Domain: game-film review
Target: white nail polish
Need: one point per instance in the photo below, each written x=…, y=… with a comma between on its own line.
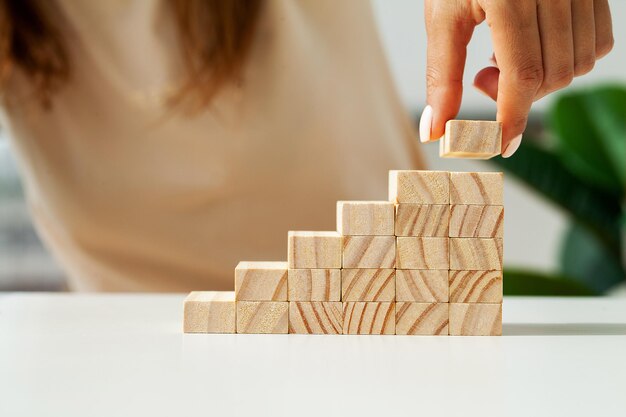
x=512, y=146
x=426, y=121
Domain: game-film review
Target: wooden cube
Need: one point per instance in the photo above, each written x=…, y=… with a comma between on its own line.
x=475, y=139
x=369, y=317
x=476, y=221
x=261, y=281
x=422, y=286
x=368, y=284
x=209, y=312
x=422, y=318
x=315, y=317
x=422, y=187
x=475, y=286
x=475, y=319
x=365, y=218
x=262, y=317
x=484, y=188
x=422, y=220
x=314, y=284
x=422, y=253
x=375, y=252
x=314, y=250
x=475, y=254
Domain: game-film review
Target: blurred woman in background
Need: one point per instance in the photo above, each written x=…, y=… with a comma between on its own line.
x=162, y=141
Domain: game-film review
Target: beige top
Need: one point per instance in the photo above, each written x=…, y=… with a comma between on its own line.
x=131, y=196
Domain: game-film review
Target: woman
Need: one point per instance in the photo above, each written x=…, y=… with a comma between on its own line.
x=162, y=141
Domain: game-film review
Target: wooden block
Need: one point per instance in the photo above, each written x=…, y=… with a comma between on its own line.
x=369, y=252
x=314, y=285
x=315, y=317
x=365, y=218
x=369, y=317
x=368, y=284
x=475, y=254
x=422, y=253
x=422, y=319
x=475, y=319
x=485, y=188
x=209, y=312
x=476, y=221
x=422, y=187
x=423, y=220
x=261, y=281
x=475, y=139
x=314, y=250
x=421, y=286
x=475, y=286
x=262, y=317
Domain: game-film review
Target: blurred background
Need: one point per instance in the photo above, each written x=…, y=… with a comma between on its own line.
x=564, y=193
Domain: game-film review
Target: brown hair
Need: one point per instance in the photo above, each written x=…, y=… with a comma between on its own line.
x=215, y=36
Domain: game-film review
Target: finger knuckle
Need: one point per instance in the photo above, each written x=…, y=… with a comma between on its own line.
x=529, y=75
x=584, y=64
x=605, y=46
x=560, y=77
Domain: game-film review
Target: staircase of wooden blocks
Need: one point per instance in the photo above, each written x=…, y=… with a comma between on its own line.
x=426, y=262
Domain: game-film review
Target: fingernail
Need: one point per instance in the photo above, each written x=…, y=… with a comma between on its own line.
x=512, y=146
x=426, y=121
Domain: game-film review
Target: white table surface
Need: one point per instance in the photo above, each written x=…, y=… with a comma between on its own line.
x=125, y=355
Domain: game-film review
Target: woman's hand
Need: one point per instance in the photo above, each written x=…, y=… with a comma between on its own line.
x=540, y=46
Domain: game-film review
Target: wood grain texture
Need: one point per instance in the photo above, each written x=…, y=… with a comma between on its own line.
x=476, y=221
x=315, y=317
x=475, y=254
x=263, y=317
x=422, y=253
x=474, y=139
x=475, y=286
x=421, y=286
x=422, y=187
x=475, y=319
x=422, y=220
x=314, y=285
x=368, y=284
x=365, y=218
x=369, y=252
x=484, y=188
x=209, y=312
x=422, y=319
x=369, y=317
x=261, y=281
x=314, y=250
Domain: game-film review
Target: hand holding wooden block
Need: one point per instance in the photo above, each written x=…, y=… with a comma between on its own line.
x=314, y=285
x=261, y=281
x=422, y=253
x=423, y=220
x=372, y=252
x=484, y=188
x=365, y=218
x=474, y=139
x=421, y=187
x=422, y=319
x=209, y=312
x=475, y=319
x=369, y=318
x=316, y=317
x=314, y=250
x=368, y=284
x=263, y=317
x=422, y=286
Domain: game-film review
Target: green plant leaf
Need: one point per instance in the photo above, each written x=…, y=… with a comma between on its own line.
x=590, y=130
x=584, y=259
x=543, y=171
x=524, y=282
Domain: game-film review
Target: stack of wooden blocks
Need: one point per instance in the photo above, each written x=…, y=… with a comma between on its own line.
x=426, y=262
